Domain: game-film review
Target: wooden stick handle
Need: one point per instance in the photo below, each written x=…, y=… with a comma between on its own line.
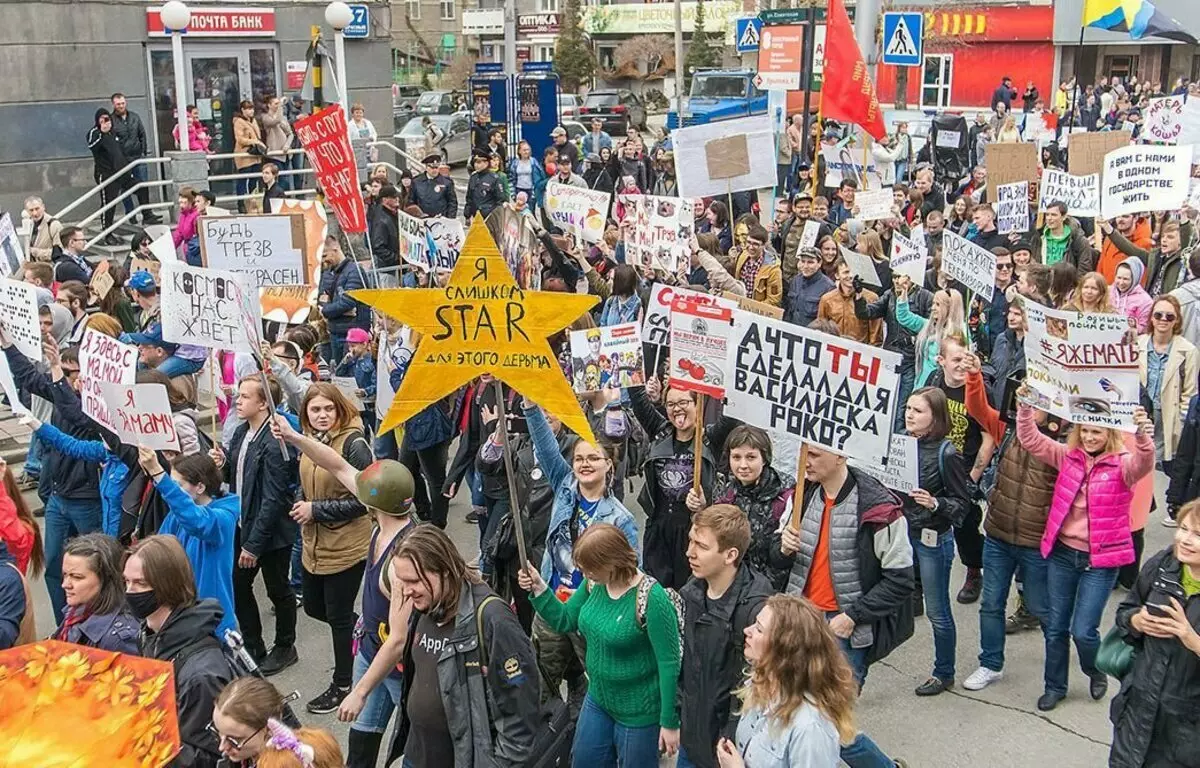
x=798, y=494
x=698, y=445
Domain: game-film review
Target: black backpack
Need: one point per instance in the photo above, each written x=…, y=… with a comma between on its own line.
x=240, y=665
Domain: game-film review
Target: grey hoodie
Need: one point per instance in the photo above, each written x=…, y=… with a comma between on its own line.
x=1189, y=301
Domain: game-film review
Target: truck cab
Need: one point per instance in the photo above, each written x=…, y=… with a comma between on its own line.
x=720, y=94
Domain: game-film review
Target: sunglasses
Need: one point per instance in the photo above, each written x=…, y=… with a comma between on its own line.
x=1167, y=316
x=233, y=742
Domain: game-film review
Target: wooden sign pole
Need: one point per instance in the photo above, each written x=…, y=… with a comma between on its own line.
x=698, y=444
x=798, y=494
x=214, y=358
x=513, y=502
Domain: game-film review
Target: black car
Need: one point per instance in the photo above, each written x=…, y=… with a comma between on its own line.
x=618, y=108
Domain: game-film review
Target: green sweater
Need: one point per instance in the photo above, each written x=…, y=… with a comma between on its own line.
x=632, y=672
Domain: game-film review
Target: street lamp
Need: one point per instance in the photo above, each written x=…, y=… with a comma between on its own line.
x=338, y=15
x=175, y=18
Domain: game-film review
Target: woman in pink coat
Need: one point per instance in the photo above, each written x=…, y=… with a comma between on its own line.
x=198, y=138
x=1127, y=294
x=1087, y=537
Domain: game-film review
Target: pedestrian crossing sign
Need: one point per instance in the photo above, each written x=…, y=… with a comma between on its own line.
x=749, y=32
x=903, y=39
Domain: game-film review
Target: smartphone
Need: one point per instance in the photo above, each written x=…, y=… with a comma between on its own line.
x=1157, y=610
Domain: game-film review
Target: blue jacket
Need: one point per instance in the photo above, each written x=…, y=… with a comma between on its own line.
x=539, y=178
x=342, y=312
x=427, y=428
x=12, y=599
x=566, y=494
x=114, y=475
x=207, y=535
x=363, y=371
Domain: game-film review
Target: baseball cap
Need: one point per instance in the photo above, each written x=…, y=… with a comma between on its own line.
x=559, y=131
x=142, y=282
x=152, y=337
x=387, y=486
x=357, y=336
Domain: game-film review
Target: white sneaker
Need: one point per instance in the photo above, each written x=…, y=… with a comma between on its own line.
x=981, y=678
x=1169, y=523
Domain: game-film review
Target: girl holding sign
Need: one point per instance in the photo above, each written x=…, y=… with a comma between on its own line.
x=945, y=319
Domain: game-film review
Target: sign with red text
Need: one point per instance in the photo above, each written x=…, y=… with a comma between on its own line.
x=1164, y=120
x=103, y=360
x=141, y=415
x=830, y=392
x=699, y=338
x=217, y=22
x=326, y=143
x=656, y=327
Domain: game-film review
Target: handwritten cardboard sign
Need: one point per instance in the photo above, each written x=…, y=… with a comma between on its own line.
x=103, y=360
x=265, y=250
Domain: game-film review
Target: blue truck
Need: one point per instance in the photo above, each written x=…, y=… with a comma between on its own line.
x=720, y=94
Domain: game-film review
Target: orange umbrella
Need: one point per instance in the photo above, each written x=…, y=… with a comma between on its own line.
x=69, y=706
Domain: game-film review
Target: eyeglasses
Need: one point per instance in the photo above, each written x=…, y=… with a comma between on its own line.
x=1166, y=316
x=754, y=243
x=1003, y=266
x=68, y=372
x=236, y=743
x=678, y=405
x=593, y=459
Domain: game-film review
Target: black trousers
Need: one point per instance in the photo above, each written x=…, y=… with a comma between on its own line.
x=329, y=598
x=1128, y=574
x=112, y=192
x=969, y=538
x=274, y=566
x=428, y=468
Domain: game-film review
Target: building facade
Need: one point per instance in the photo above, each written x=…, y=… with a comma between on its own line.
x=1110, y=54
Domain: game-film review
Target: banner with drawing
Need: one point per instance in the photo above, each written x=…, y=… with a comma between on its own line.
x=446, y=238
x=908, y=259
x=833, y=393
x=699, y=340
x=414, y=240
x=660, y=232
x=848, y=162
x=576, y=211
x=606, y=358
x=1082, y=367
x=206, y=308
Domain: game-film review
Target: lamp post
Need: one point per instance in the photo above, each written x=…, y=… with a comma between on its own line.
x=338, y=15
x=175, y=18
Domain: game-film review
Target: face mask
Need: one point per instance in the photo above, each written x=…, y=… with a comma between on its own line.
x=142, y=604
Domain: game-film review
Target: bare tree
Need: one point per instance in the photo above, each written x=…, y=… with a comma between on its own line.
x=644, y=57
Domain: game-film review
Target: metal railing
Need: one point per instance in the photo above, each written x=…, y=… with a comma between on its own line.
x=415, y=164
x=117, y=223
x=61, y=215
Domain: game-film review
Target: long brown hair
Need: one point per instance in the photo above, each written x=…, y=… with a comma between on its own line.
x=801, y=662
x=432, y=552
x=347, y=416
x=37, y=556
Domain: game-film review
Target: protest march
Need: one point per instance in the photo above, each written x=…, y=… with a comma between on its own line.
x=702, y=445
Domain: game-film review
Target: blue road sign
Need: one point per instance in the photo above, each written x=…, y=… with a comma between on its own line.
x=538, y=66
x=361, y=25
x=749, y=32
x=903, y=39
x=489, y=68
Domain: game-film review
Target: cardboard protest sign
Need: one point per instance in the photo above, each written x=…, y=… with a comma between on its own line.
x=727, y=157
x=19, y=311
x=1141, y=178
x=145, y=265
x=12, y=255
x=969, y=264
x=907, y=259
x=446, y=238
x=660, y=232
x=845, y=162
x=756, y=307
x=1189, y=123
x=481, y=321
x=901, y=473
x=875, y=204
x=9, y=387
x=808, y=238
x=695, y=144
x=204, y=307
x=1007, y=163
x=266, y=250
x=1012, y=207
x=656, y=326
x=163, y=248
x=607, y=357
x=1164, y=120
x=325, y=137
x=831, y=392
x=518, y=245
x=699, y=341
x=293, y=304
x=414, y=240
x=1089, y=149
x=141, y=415
x=102, y=280
x=1082, y=367
x=103, y=360
x=862, y=266
x=580, y=212
x=1080, y=193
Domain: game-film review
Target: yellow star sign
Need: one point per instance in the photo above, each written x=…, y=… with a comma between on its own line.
x=482, y=322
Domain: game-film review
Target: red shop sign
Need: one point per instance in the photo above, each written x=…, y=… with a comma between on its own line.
x=219, y=22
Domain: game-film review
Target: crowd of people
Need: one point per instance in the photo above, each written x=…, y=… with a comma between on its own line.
x=737, y=625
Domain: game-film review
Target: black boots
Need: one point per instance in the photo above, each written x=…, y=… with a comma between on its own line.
x=362, y=750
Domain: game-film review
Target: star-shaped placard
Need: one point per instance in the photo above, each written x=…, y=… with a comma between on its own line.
x=482, y=322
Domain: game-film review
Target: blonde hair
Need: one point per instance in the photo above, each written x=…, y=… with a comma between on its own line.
x=1103, y=305
x=1113, y=443
x=952, y=323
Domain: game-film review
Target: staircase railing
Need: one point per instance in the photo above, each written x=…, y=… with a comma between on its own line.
x=61, y=215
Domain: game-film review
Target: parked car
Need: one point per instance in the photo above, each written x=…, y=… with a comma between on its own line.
x=440, y=102
x=575, y=130
x=568, y=105
x=455, y=145
x=617, y=107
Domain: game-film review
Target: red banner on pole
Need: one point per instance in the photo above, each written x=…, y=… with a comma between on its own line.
x=848, y=93
x=326, y=142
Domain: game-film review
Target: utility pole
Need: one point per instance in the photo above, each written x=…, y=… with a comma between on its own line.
x=866, y=26
x=510, y=37
x=679, y=65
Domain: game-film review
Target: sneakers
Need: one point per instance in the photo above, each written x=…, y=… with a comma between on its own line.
x=1098, y=686
x=971, y=587
x=1021, y=620
x=278, y=660
x=1169, y=523
x=981, y=678
x=1048, y=701
x=473, y=516
x=328, y=701
x=26, y=482
x=933, y=686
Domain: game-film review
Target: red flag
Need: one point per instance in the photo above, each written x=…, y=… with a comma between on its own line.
x=847, y=92
x=326, y=142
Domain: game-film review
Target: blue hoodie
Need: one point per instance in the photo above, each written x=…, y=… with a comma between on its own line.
x=12, y=599
x=114, y=474
x=206, y=534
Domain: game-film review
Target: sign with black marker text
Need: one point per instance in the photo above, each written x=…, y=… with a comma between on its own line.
x=969, y=264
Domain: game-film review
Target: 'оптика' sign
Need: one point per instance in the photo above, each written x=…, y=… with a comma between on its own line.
x=218, y=22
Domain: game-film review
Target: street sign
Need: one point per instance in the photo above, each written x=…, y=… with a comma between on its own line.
x=784, y=15
x=360, y=26
x=903, y=39
x=489, y=67
x=779, y=58
x=538, y=66
x=749, y=30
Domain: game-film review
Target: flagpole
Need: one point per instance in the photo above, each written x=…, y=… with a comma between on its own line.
x=817, y=147
x=1072, y=101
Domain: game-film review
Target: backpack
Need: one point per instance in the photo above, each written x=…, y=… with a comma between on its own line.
x=240, y=665
x=643, y=600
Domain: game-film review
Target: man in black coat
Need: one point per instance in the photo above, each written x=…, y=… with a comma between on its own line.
x=340, y=276
x=108, y=158
x=131, y=133
x=485, y=193
x=433, y=193
x=384, y=229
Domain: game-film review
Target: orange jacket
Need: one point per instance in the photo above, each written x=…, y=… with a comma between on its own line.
x=1111, y=255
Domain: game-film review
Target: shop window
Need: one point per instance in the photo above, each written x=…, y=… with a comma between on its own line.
x=447, y=10
x=937, y=79
x=1123, y=67
x=544, y=53
x=606, y=56
x=1195, y=68
x=547, y=6
x=413, y=9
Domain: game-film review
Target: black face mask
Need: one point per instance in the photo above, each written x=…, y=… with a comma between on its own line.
x=142, y=604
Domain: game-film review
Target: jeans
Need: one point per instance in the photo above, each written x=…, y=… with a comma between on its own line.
x=682, y=760
x=296, y=567
x=935, y=563
x=330, y=598
x=33, y=457
x=386, y=697
x=601, y=742
x=908, y=379
x=65, y=519
x=863, y=752
x=274, y=567
x=177, y=366
x=474, y=481
x=428, y=468
x=244, y=186
x=489, y=522
x=1001, y=562
x=137, y=175
x=337, y=349
x=1077, y=594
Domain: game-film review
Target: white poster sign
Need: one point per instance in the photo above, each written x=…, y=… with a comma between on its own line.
x=12, y=255
x=103, y=360
x=862, y=266
x=9, y=386
x=948, y=139
x=1012, y=207
x=875, y=204
x=969, y=264
x=656, y=326
x=1080, y=193
x=414, y=240
x=446, y=238
x=163, y=248
x=205, y=307
x=19, y=311
x=908, y=259
x=1163, y=120
x=1143, y=178
x=1190, y=123
x=660, y=232
x=348, y=386
x=691, y=156
x=847, y=162
x=833, y=393
x=579, y=212
x=901, y=473
x=808, y=238
x=141, y=415
x=699, y=343
x=265, y=250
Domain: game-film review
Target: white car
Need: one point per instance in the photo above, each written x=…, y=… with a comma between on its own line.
x=455, y=146
x=568, y=105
